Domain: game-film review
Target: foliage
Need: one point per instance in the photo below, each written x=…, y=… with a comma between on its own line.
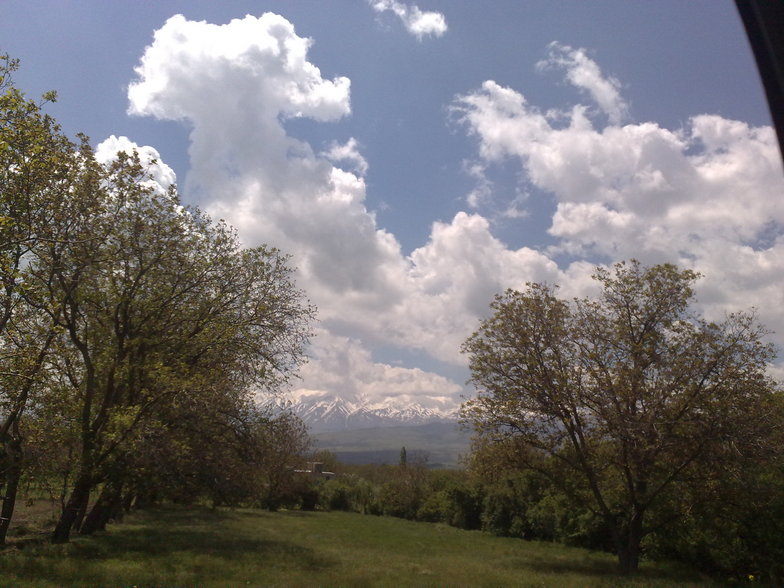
x=135, y=334
x=36, y=171
x=349, y=493
x=739, y=536
x=622, y=400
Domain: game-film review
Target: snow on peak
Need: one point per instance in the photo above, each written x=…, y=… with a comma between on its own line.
x=324, y=412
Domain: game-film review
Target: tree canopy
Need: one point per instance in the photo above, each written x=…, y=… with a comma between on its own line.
x=623, y=399
x=129, y=325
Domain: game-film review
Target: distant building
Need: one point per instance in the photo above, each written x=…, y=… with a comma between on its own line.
x=315, y=469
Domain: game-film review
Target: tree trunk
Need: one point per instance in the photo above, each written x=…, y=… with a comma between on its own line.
x=127, y=500
x=97, y=518
x=81, y=512
x=628, y=541
x=75, y=506
x=12, y=475
x=145, y=498
x=103, y=510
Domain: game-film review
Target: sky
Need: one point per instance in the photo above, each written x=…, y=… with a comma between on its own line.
x=414, y=159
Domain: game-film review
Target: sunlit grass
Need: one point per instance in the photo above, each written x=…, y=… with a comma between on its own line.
x=219, y=548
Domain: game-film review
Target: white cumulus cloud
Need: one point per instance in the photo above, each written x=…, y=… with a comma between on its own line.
x=417, y=22
x=161, y=175
x=707, y=195
x=585, y=74
x=343, y=366
x=347, y=152
x=233, y=85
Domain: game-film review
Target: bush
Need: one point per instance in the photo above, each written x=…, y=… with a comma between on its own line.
x=336, y=495
x=349, y=493
x=435, y=508
x=739, y=536
x=397, y=500
x=464, y=507
x=503, y=514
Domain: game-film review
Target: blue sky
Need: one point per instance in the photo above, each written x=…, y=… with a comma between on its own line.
x=416, y=158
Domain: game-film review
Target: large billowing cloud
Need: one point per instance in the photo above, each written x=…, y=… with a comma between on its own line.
x=235, y=85
x=706, y=196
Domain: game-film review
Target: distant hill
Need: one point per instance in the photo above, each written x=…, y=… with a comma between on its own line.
x=441, y=443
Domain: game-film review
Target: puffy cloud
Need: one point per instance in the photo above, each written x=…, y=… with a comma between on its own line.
x=452, y=280
x=342, y=366
x=620, y=191
x=234, y=84
x=627, y=189
x=229, y=83
x=416, y=21
x=348, y=152
x=585, y=74
x=190, y=63
x=706, y=196
x=162, y=176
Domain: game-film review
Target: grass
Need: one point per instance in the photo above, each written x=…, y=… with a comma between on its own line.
x=220, y=548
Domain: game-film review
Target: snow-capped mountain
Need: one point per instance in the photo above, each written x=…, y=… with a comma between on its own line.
x=324, y=413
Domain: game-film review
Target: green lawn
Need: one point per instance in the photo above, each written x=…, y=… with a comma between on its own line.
x=202, y=547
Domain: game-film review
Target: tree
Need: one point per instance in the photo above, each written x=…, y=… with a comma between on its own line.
x=276, y=445
x=37, y=166
x=155, y=302
x=119, y=306
x=623, y=399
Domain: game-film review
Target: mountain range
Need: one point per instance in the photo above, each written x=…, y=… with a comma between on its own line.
x=325, y=413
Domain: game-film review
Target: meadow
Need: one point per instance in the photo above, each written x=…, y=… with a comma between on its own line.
x=244, y=547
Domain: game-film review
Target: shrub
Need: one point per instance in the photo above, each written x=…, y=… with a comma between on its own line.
x=336, y=495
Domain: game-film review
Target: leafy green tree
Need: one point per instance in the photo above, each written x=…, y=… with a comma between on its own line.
x=156, y=302
x=405, y=488
x=37, y=166
x=739, y=533
x=622, y=400
x=350, y=492
x=117, y=307
x=278, y=448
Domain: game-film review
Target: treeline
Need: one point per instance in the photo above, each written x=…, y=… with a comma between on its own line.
x=134, y=333
x=734, y=539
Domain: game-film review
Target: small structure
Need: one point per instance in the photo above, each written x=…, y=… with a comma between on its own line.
x=315, y=469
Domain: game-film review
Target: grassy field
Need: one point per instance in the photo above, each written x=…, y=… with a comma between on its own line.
x=223, y=548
